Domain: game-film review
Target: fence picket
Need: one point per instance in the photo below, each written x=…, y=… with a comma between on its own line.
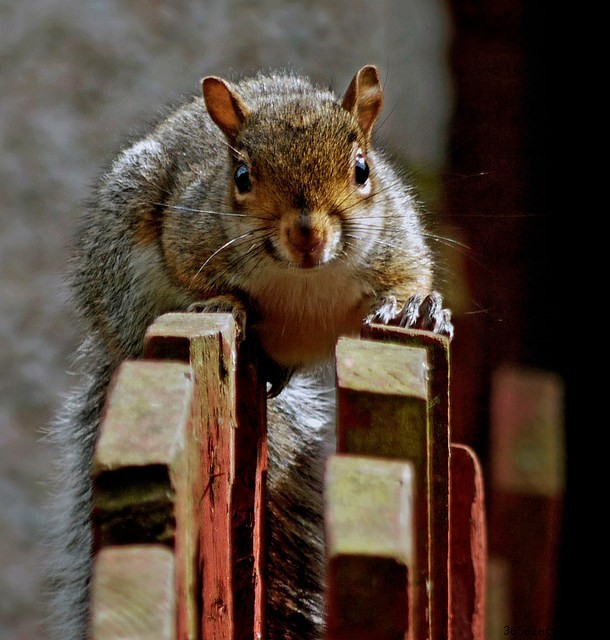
x=229, y=422
x=179, y=492
x=383, y=411
x=141, y=479
x=133, y=593
x=369, y=515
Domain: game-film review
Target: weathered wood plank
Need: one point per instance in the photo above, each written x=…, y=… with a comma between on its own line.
x=229, y=422
x=133, y=593
x=369, y=519
x=468, y=546
x=438, y=377
x=141, y=469
x=383, y=411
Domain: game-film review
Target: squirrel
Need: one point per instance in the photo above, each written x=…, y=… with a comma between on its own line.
x=265, y=197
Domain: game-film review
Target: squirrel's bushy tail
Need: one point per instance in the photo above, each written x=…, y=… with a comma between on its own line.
x=301, y=433
x=68, y=538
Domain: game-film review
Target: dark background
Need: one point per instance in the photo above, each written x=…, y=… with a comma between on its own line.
x=510, y=190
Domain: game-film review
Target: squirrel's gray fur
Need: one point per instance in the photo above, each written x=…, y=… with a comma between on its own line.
x=167, y=228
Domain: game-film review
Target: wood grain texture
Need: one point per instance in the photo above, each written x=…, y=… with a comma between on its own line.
x=369, y=516
x=143, y=471
x=383, y=411
x=438, y=387
x=229, y=426
x=133, y=594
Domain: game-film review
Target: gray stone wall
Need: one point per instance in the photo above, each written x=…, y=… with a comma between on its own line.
x=76, y=79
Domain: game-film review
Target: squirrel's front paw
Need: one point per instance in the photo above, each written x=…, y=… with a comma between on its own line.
x=277, y=378
x=224, y=304
x=417, y=313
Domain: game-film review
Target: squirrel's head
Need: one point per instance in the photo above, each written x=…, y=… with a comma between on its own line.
x=301, y=167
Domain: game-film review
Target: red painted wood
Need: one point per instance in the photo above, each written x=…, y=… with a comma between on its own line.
x=229, y=423
x=249, y=494
x=468, y=546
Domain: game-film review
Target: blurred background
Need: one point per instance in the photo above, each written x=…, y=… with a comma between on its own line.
x=466, y=112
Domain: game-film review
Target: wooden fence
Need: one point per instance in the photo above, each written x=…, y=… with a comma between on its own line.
x=179, y=493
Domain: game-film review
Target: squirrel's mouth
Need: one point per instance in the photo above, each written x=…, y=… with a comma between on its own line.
x=307, y=260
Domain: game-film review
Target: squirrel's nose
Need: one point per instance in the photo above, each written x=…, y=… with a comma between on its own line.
x=304, y=237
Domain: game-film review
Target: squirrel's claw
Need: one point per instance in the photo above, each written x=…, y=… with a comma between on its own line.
x=277, y=378
x=433, y=317
x=418, y=312
x=224, y=304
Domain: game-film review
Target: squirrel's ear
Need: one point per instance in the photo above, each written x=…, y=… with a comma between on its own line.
x=364, y=97
x=224, y=104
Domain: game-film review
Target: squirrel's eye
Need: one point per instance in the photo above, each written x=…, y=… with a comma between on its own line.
x=362, y=170
x=242, y=178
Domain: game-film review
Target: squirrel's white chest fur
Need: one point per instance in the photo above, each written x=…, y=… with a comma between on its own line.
x=303, y=312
